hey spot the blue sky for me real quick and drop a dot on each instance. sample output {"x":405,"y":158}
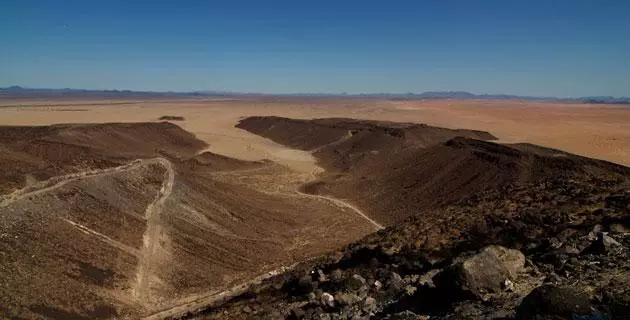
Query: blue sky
{"x":534,"y":47}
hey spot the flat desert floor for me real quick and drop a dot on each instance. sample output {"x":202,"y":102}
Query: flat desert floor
{"x":596,"y":131}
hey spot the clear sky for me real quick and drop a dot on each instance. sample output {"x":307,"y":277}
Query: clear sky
{"x":528,"y":47}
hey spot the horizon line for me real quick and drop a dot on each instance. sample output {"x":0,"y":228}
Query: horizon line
{"x":444,"y":94}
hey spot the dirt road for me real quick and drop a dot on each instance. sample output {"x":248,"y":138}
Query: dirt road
{"x":59,"y":181}
{"x":150,"y":253}
{"x":345,"y":204}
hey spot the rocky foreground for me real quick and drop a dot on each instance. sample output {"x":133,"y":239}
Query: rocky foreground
{"x":559,"y":249}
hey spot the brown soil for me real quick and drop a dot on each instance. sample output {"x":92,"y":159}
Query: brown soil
{"x":444,"y":199}
{"x":396,"y":170}
{"x":77,"y":200}
{"x":133,"y":219}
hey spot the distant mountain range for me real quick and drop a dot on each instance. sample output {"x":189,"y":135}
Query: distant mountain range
{"x":17,"y":91}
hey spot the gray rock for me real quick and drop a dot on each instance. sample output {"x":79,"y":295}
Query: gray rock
{"x":327,"y":300}
{"x":482,"y":273}
{"x":550,"y":301}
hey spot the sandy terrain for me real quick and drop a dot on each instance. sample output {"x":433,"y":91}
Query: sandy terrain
{"x":597,"y":131}
{"x":592,"y":130}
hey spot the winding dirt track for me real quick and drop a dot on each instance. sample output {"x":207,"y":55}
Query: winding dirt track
{"x":104,"y":238}
{"x":149,"y":254}
{"x":59,"y":181}
{"x":345,"y":204}
{"x":215,"y":298}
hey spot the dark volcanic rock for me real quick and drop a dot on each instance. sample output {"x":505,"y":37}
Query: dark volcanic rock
{"x":482,"y":273}
{"x":552,"y":302}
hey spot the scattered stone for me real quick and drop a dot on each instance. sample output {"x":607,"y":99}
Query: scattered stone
{"x":552,"y":278}
{"x":369,"y":305}
{"x":356,"y":282}
{"x":427,"y":278}
{"x":560,"y":256}
{"x":327,"y":300}
{"x":592,"y":236}
{"x":604,"y":244}
{"x":336,"y":275}
{"x":482,"y":273}
{"x":396,"y":281}
{"x":297,"y":314}
{"x":550,"y":301}
{"x":346,"y":299}
{"x":321,"y":276}
{"x":508,"y":285}
{"x":377,"y":285}
{"x":618,"y":228}
{"x":247,"y":310}
{"x":405,"y":315}
{"x":324,"y":316}
{"x":554,"y":243}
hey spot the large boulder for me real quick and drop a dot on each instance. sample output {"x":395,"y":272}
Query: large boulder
{"x":482,"y":273}
{"x":552,"y":302}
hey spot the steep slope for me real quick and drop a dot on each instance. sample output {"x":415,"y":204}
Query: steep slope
{"x":395,"y":170}
{"x":445,"y":202}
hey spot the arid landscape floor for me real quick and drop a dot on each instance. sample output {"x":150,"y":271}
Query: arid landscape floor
{"x":146,"y":221}
{"x":596,"y":131}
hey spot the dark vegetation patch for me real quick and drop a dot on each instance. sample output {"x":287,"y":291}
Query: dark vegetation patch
{"x":172,"y":118}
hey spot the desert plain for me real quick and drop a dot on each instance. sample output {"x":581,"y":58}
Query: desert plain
{"x":592,"y":130}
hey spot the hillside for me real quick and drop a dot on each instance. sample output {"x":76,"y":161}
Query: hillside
{"x":396,"y":170}
{"x":131,"y":220}
{"x":454,"y":207}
